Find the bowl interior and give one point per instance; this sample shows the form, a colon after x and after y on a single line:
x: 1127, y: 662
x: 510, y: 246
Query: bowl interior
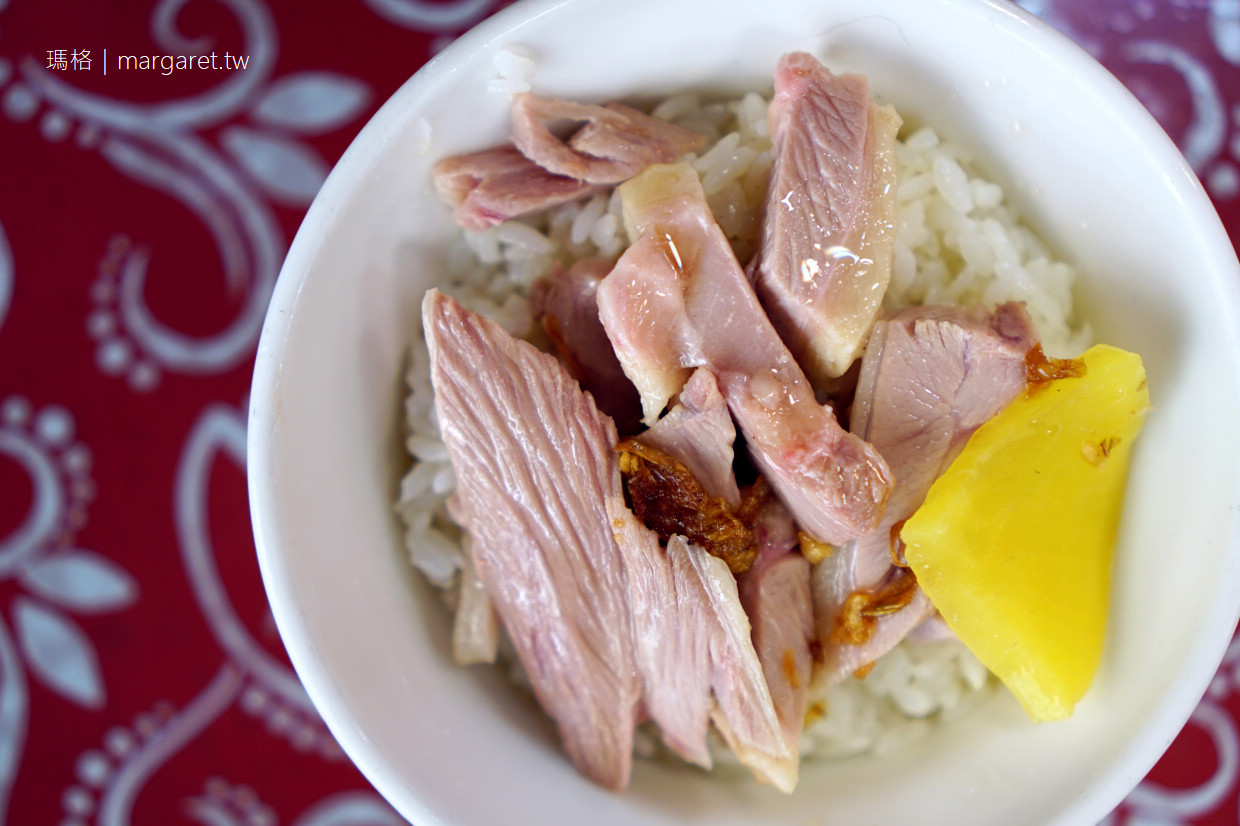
x: 1093, y: 174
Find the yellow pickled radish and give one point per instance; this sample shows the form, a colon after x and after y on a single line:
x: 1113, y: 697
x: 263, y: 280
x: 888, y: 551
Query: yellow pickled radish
x: 1014, y: 542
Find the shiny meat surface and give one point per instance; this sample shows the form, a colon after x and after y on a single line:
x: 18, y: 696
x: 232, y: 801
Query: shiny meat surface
x: 677, y: 299
x: 829, y: 223
x: 489, y: 187
x: 542, y: 541
x: 614, y: 142
x: 929, y: 378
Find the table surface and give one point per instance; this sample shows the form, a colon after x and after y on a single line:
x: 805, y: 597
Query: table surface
x: 143, y: 217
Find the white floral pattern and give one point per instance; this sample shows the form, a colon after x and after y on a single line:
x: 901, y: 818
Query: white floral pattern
x: 232, y: 155
x: 429, y: 16
x: 1132, y: 40
x: 164, y: 146
x: 56, y: 579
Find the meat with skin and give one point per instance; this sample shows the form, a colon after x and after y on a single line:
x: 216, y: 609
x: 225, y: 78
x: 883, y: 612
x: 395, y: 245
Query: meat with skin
x: 929, y: 378
x: 677, y: 299
x: 775, y: 593
x: 699, y: 432
x: 489, y: 187
x: 828, y: 234
x: 614, y: 143
x: 565, y: 304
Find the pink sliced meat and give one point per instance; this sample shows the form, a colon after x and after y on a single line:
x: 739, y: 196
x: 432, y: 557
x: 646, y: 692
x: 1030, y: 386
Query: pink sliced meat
x: 677, y: 299
x: 542, y: 542
x: 698, y: 432
x: 566, y: 305
x: 929, y: 378
x: 643, y: 311
x: 743, y: 711
x: 829, y: 225
x: 671, y: 632
x: 775, y: 593
x: 489, y: 187
x: 612, y: 144
x: 607, y: 624
x: 694, y: 650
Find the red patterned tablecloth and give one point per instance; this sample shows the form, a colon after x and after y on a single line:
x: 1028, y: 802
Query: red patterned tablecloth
x: 144, y: 213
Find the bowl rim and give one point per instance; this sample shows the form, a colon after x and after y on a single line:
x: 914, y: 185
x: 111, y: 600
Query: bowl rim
x: 1171, y: 713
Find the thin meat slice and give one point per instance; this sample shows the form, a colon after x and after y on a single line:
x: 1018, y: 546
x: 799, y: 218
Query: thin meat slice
x: 542, y: 541
x: 699, y: 433
x: 671, y: 634
x: 566, y: 305
x: 929, y: 378
x: 743, y: 711
x: 891, y: 625
x: 956, y: 367
x: 489, y: 187
x: 677, y: 299
x: 614, y: 141
x: 608, y: 625
x: 775, y: 593
x: 693, y: 649
x: 829, y: 224
x: 781, y: 610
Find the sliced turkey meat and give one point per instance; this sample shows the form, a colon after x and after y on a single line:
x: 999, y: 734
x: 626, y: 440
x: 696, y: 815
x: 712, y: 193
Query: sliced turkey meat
x: 677, y: 299
x: 776, y: 595
x: 929, y: 378
x: 742, y: 710
x: 541, y: 536
x: 608, y: 625
x: 828, y: 230
x: 489, y: 187
x: 566, y: 305
x: 613, y: 143
x: 698, y: 431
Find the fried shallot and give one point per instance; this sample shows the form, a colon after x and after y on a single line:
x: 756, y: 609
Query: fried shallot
x: 669, y: 500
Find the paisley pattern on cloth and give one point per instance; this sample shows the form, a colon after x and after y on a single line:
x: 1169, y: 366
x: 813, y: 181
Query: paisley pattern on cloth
x: 143, y: 219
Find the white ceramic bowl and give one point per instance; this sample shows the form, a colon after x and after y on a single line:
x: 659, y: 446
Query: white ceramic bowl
x: 1093, y: 173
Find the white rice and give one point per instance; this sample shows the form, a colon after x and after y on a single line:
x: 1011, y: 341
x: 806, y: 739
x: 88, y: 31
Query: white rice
x: 957, y: 242
x: 514, y: 67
